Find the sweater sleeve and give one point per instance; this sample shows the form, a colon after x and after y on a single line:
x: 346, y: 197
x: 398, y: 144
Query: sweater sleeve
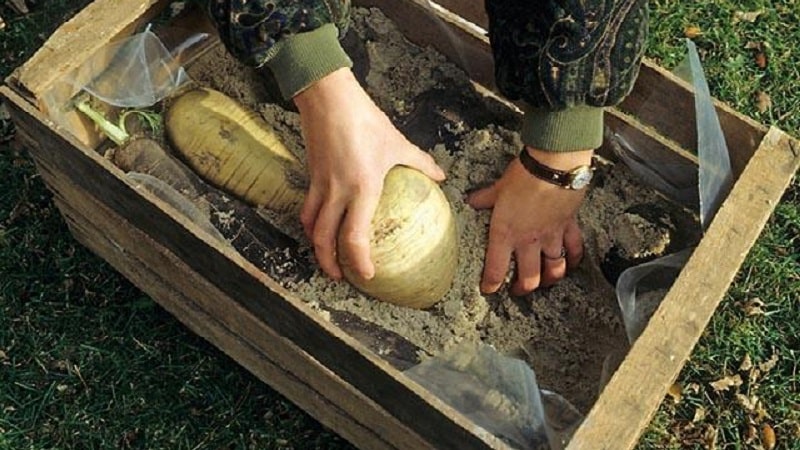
x: 298, y: 40
x: 567, y: 60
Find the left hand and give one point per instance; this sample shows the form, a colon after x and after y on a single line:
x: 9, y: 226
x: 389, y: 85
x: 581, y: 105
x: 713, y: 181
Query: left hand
x: 532, y: 220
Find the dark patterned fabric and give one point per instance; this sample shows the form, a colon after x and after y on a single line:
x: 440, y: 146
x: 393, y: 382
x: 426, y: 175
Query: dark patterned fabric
x: 553, y: 54
x: 250, y: 28
x: 557, y: 54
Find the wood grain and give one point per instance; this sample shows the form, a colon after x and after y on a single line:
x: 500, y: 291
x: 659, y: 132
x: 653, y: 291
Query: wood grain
x: 638, y: 386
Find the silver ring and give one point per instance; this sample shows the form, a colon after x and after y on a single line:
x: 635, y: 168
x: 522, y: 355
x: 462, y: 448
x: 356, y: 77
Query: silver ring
x: 561, y: 255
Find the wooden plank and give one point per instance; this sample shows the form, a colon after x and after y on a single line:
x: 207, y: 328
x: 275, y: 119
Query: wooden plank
x: 219, y: 319
x: 658, y: 95
x: 471, y: 10
x: 638, y: 386
x: 254, y: 291
x: 80, y: 38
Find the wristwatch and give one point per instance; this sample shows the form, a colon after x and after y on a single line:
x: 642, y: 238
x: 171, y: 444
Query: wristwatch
x: 574, y: 179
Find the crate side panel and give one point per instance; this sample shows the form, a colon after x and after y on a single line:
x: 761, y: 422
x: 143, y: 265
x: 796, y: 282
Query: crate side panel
x: 633, y: 394
x: 219, y: 319
x: 253, y: 290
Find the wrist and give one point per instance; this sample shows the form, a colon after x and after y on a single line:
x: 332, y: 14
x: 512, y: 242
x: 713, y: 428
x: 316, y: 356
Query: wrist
x: 327, y: 90
x: 572, y: 171
x: 561, y: 160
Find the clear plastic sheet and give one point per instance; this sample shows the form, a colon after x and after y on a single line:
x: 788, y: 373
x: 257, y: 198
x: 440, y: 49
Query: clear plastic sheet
x: 141, y: 71
x: 715, y: 177
x: 640, y: 289
x: 500, y: 394
x: 136, y: 72
x: 182, y: 204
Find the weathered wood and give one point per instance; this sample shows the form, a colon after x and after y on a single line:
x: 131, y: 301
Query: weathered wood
x: 633, y: 394
x: 218, y: 318
x: 253, y: 290
x: 666, y: 103
x: 52, y: 76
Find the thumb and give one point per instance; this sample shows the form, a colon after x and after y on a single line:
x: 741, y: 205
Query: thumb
x: 424, y: 162
x: 483, y: 198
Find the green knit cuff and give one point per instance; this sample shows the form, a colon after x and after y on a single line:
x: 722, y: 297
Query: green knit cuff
x: 572, y: 129
x: 302, y: 59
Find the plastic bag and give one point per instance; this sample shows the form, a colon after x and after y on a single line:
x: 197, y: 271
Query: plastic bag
x: 500, y: 394
x: 637, y: 288
x: 141, y: 72
x: 676, y: 180
x: 715, y: 177
x: 136, y: 72
x: 641, y: 288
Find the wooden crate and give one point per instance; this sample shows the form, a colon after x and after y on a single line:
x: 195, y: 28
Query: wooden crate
x: 275, y: 335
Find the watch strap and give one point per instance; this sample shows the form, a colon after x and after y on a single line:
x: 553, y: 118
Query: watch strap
x: 562, y: 178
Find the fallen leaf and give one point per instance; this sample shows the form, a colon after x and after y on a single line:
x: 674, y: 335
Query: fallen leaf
x: 748, y: 403
x: 768, y: 365
x: 699, y: 414
x: 768, y: 437
x: 2, y: 24
x: 3, y: 355
x: 761, y: 60
x: 749, y: 16
x: 750, y: 434
x: 747, y: 363
x: 693, y: 388
x: 763, y: 104
x: 754, y: 306
x: 692, y: 31
x: 754, y: 45
x: 676, y: 392
x: 723, y: 384
x: 710, y: 437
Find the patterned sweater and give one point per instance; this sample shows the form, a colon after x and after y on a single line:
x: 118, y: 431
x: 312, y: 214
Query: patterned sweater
x: 566, y: 59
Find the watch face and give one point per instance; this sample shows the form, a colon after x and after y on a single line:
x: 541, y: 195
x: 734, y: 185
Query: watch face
x: 581, y: 177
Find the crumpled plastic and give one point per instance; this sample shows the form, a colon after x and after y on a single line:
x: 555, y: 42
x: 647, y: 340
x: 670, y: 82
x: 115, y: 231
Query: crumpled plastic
x: 500, y: 394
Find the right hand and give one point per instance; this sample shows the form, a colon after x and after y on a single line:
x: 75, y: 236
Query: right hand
x: 350, y: 146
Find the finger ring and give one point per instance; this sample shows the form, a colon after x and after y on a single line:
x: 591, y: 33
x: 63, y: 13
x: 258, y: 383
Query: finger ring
x: 560, y: 255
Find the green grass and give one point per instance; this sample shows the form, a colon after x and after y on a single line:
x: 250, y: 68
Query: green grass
x: 88, y: 361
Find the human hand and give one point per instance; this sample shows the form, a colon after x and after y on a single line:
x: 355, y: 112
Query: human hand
x: 350, y: 146
x: 532, y: 220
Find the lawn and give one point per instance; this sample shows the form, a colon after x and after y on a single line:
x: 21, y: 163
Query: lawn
x: 88, y: 361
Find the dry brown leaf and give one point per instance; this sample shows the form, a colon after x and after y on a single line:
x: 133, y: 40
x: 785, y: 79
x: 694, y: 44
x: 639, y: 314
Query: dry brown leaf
x: 754, y: 45
x: 763, y: 104
x: 693, y: 388
x: 676, y: 392
x: 723, y: 384
x: 761, y: 60
x: 699, y: 414
x: 750, y: 434
x: 747, y: 363
x: 768, y: 439
x: 2, y: 24
x: 749, y: 16
x: 692, y: 31
x: 748, y: 403
x: 754, y: 306
x: 3, y: 355
x: 768, y: 365
x: 710, y: 437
